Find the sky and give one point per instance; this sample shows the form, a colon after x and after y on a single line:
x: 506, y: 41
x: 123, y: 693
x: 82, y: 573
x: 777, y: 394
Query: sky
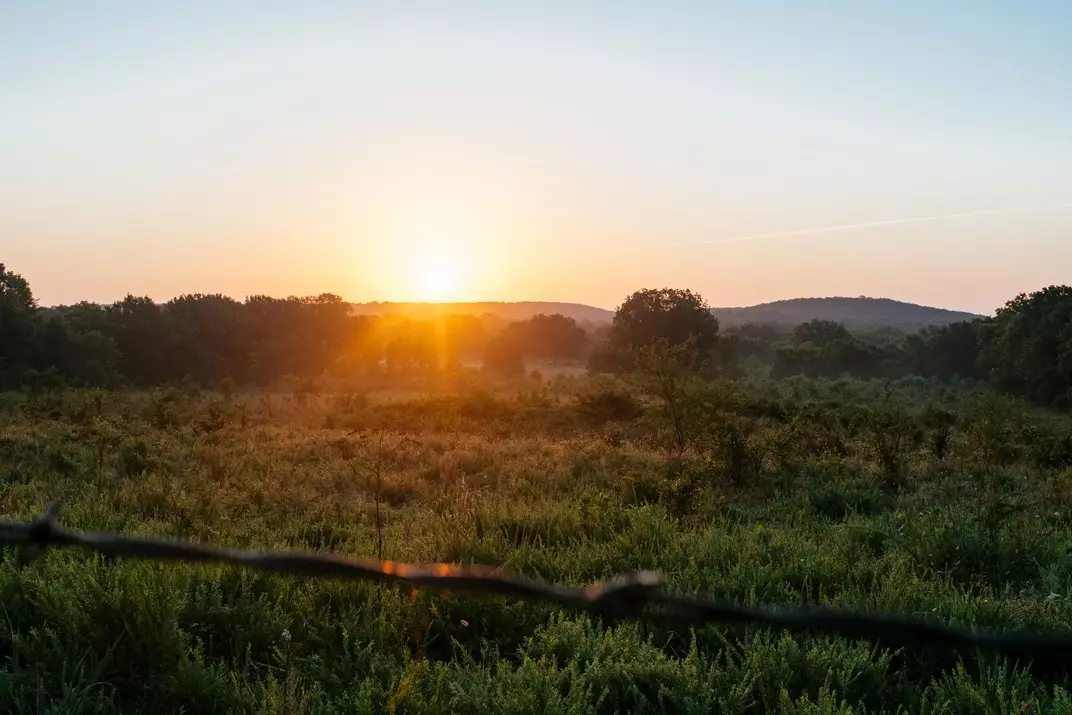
x: 574, y: 151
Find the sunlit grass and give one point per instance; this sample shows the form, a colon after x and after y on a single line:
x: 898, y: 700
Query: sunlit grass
x: 542, y: 479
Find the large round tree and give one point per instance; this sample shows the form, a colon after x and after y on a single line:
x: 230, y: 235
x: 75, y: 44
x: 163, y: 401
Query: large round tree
x: 664, y: 315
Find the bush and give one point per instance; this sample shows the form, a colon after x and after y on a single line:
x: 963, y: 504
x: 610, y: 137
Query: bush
x: 938, y: 424
x: 737, y: 445
x: 606, y: 359
x: 892, y: 433
x: 609, y: 406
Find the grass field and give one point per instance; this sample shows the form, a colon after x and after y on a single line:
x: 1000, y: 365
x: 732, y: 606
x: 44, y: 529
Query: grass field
x: 912, y: 498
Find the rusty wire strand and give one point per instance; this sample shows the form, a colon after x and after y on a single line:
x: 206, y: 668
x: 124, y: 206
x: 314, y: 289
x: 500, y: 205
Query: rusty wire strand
x: 638, y: 595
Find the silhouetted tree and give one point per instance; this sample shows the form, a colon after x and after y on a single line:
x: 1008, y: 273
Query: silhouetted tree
x: 945, y: 351
x: 140, y: 331
x: 17, y: 326
x: 555, y: 337
x: 414, y: 349
x: 841, y: 356
x: 296, y: 336
x: 82, y: 357
x: 503, y: 357
x: 1028, y: 345
x: 364, y: 352
x: 208, y: 337
x: 665, y: 315
x: 459, y: 337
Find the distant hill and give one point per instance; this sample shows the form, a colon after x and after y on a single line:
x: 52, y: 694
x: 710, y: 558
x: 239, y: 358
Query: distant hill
x: 853, y: 312
x: 522, y: 310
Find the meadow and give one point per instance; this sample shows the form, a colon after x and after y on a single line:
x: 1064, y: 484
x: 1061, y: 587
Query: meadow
x: 907, y: 496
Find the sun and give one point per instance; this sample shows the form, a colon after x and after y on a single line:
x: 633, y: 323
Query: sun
x: 434, y: 251
x: 436, y: 277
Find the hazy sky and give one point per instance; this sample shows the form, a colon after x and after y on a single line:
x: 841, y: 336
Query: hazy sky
x: 551, y: 150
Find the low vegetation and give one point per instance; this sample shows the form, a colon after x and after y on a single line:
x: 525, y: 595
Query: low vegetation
x: 902, y: 497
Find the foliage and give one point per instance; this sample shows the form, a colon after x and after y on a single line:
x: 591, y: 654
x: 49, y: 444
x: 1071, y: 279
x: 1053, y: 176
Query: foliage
x: 410, y: 351
x: 892, y: 433
x: 554, y: 337
x: 606, y: 358
x: 736, y: 443
x: 945, y: 351
x: 17, y: 307
x: 668, y: 316
x: 1028, y: 345
x: 609, y: 405
x: 819, y: 332
x: 837, y: 356
x: 503, y: 356
x: 670, y: 373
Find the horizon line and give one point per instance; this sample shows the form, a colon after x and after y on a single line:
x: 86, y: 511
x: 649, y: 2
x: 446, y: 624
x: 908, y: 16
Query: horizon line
x: 352, y: 303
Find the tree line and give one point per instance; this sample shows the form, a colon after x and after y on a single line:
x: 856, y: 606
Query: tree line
x: 1024, y: 349
x: 212, y: 338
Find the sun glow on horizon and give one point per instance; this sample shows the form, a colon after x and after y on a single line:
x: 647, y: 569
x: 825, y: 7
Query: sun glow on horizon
x: 436, y: 276
x: 436, y: 246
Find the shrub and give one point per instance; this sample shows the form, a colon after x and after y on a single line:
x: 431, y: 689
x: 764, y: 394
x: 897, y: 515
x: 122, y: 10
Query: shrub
x: 938, y: 424
x: 737, y: 445
x: 609, y: 406
x: 891, y: 434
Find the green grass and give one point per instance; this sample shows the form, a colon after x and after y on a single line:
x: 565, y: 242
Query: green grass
x: 565, y: 480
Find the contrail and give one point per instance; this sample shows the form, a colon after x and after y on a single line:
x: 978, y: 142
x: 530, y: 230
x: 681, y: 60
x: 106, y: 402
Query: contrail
x: 853, y: 226
x: 866, y: 224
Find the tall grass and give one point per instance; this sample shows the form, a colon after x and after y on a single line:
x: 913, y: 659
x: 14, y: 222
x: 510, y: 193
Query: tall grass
x: 791, y: 492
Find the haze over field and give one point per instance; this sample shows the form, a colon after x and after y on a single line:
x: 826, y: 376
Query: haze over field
x: 540, y: 151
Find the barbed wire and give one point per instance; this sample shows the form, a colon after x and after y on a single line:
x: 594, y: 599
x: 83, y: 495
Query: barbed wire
x: 629, y: 596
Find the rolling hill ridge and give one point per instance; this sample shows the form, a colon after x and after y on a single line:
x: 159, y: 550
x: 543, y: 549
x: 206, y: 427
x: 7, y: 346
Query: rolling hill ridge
x: 521, y: 310
x: 856, y: 313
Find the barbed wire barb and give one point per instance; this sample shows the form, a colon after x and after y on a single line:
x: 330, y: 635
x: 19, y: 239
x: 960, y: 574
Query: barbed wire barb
x: 628, y: 596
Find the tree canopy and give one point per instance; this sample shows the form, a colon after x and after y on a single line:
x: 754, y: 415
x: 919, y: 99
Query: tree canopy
x: 1028, y: 345
x: 665, y: 315
x: 820, y: 332
x: 503, y: 357
x: 554, y: 337
x: 17, y: 327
